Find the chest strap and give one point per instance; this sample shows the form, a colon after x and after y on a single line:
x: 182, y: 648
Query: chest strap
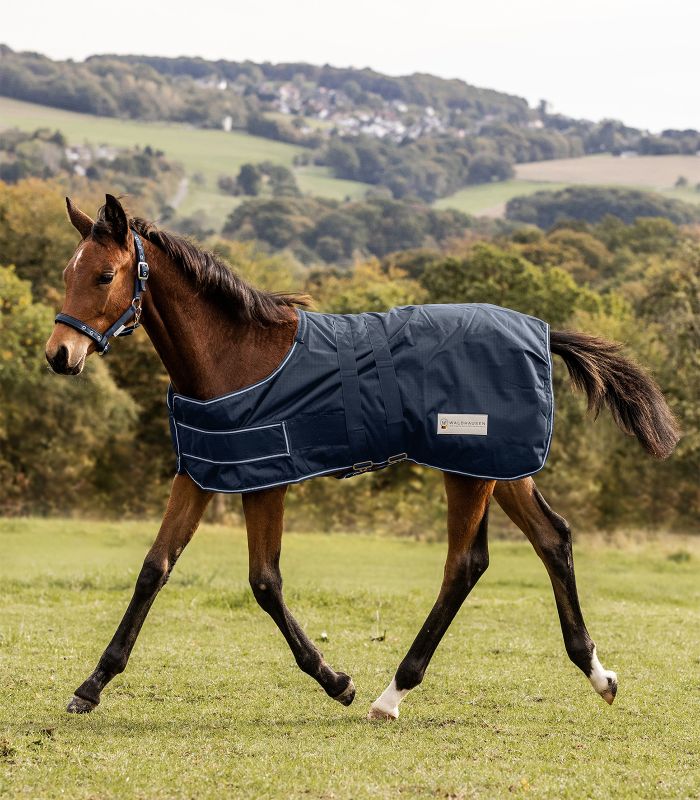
x: 352, y: 399
x: 388, y: 384
x: 350, y: 383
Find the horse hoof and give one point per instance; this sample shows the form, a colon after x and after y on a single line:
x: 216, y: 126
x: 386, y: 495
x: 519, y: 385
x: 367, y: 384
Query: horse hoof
x: 378, y: 713
x: 609, y: 692
x: 348, y: 694
x: 78, y: 705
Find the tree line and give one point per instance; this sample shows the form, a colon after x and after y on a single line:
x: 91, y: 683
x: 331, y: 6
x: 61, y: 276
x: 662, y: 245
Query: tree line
x: 315, y: 229
x: 592, y: 203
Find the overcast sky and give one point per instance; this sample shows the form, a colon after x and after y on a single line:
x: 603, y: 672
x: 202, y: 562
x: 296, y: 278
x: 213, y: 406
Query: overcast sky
x: 635, y: 61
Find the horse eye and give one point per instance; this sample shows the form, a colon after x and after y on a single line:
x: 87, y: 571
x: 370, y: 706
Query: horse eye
x: 106, y: 277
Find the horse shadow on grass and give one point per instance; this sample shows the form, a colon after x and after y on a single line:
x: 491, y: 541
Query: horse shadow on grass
x: 104, y: 726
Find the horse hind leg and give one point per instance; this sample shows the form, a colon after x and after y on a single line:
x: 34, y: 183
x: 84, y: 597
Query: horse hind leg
x: 467, y: 559
x: 550, y: 535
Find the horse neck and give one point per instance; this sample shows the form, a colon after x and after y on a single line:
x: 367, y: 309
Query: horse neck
x: 206, y: 350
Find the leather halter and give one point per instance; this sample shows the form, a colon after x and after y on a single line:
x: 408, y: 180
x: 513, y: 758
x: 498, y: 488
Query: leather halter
x: 120, y: 327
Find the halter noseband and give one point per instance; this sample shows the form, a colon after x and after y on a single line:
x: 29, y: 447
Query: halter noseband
x: 120, y: 328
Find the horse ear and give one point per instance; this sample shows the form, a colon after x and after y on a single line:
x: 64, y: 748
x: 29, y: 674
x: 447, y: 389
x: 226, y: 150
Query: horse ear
x: 116, y: 218
x: 80, y: 221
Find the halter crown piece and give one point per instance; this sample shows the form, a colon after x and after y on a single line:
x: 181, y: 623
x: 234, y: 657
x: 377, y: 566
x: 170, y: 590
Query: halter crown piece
x: 120, y: 327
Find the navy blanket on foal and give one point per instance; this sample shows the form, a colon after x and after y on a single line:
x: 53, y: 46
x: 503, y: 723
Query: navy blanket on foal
x: 462, y: 388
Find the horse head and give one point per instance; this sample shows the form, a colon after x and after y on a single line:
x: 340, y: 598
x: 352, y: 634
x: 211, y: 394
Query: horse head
x: 99, y: 281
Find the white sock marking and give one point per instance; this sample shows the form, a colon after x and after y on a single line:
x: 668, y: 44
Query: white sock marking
x: 388, y: 701
x: 599, y: 676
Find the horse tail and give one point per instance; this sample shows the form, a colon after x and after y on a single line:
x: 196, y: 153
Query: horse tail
x: 633, y: 397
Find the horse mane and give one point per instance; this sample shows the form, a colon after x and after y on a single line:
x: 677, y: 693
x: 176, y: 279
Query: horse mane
x: 212, y: 276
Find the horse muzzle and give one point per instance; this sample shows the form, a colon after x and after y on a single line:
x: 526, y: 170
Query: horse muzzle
x: 60, y: 362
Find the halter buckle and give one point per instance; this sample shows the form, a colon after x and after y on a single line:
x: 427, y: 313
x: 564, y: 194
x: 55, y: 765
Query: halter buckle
x: 137, y: 304
x: 142, y: 271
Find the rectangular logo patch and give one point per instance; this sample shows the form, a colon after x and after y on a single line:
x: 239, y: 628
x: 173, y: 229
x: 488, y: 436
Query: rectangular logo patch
x: 463, y: 424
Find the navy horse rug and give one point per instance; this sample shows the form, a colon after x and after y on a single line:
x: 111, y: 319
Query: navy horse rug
x: 461, y: 388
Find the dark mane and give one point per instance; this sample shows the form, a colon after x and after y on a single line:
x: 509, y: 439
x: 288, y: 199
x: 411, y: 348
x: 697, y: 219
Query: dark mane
x: 213, y: 276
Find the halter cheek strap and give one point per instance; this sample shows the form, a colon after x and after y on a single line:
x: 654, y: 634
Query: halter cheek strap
x: 120, y: 327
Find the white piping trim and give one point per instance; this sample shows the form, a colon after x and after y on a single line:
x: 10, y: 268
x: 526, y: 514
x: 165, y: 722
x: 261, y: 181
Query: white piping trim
x: 177, y: 442
x: 341, y: 469
x: 242, y: 461
x: 268, y: 485
x: 473, y: 475
x: 239, y: 391
x: 233, y: 430
x: 550, y: 420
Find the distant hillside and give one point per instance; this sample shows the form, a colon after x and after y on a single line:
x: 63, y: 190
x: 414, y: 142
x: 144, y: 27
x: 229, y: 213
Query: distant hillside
x: 79, y: 168
x: 418, y: 136
x: 351, y: 101
x: 345, y: 133
x: 210, y: 92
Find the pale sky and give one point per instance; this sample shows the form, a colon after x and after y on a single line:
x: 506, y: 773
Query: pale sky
x: 637, y: 61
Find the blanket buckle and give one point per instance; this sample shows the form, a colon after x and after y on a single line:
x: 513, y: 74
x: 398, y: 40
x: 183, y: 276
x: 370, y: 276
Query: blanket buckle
x: 362, y: 466
x: 398, y: 457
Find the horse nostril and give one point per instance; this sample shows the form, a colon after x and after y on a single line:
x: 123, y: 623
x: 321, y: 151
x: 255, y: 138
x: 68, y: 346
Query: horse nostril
x: 59, y: 362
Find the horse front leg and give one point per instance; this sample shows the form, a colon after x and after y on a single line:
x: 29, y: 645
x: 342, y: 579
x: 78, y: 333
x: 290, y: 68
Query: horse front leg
x: 185, y: 508
x: 550, y: 535
x: 264, y: 513
x: 467, y: 560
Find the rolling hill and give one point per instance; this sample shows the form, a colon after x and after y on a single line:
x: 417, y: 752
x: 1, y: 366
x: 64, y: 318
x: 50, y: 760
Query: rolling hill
x: 205, y: 154
x: 653, y: 173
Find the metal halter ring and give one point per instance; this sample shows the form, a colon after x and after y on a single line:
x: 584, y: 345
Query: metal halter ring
x: 137, y: 304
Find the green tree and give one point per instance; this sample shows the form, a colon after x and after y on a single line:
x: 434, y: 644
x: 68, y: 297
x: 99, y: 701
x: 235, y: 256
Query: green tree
x: 489, y: 274
x: 485, y: 168
x: 60, y: 439
x: 342, y: 159
x: 249, y: 180
x: 35, y: 234
x: 366, y: 287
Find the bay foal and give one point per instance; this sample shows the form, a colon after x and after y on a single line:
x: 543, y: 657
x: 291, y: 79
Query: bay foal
x: 215, y: 334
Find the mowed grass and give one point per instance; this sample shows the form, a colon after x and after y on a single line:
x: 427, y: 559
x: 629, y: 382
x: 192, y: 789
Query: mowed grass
x: 212, y: 704
x: 209, y: 153
x: 651, y: 173
x: 489, y: 199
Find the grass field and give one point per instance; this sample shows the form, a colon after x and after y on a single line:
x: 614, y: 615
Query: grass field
x: 489, y: 199
x: 652, y: 172
x: 212, y: 704
x: 209, y: 152
x: 657, y: 173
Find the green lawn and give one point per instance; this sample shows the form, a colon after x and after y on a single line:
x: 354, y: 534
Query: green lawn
x: 212, y: 704
x: 490, y: 198
x: 318, y: 181
x: 210, y: 153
